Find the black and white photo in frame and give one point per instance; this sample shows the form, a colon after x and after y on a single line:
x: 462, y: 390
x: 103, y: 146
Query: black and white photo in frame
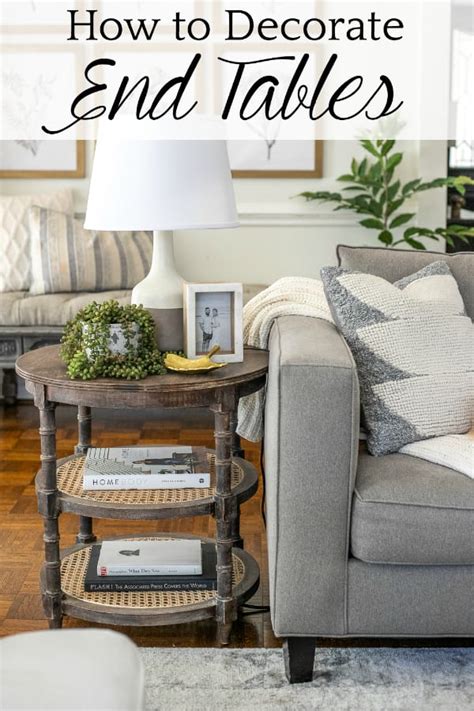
x: 213, y: 317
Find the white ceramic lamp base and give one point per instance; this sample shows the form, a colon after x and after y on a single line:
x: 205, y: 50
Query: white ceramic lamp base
x: 161, y: 293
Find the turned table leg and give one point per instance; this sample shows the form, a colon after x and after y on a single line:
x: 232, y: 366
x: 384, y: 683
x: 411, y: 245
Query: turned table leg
x: 84, y: 420
x: 226, y: 515
x: 48, y: 508
x: 237, y: 450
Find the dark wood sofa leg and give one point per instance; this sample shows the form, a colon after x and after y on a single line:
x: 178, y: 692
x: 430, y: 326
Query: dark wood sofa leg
x: 9, y: 386
x: 298, y: 653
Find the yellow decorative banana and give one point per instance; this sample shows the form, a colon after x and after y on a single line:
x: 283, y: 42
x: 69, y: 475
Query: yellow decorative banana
x: 180, y: 364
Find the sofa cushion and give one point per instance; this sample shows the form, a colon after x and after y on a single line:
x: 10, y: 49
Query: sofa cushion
x: 20, y: 308
x: 395, y: 264
x: 411, y: 512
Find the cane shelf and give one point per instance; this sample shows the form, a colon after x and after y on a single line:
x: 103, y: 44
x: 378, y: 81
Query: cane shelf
x: 130, y: 607
x: 147, y: 503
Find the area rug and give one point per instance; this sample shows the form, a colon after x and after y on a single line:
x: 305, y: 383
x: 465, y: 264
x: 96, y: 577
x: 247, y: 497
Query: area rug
x: 182, y: 679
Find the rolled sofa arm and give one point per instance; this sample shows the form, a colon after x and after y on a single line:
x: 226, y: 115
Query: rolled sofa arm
x: 311, y: 441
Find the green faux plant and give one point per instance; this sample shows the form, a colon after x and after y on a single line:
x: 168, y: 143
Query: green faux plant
x: 85, y: 343
x: 374, y: 190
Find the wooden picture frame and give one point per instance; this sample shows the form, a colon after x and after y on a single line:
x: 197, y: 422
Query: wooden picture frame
x: 221, y: 306
x: 78, y: 171
x: 316, y: 172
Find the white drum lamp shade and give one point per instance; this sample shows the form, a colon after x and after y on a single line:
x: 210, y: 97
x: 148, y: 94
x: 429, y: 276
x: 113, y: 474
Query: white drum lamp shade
x: 161, y: 186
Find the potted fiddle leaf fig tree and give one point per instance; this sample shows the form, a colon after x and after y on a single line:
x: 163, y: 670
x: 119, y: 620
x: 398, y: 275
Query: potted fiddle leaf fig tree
x: 373, y: 191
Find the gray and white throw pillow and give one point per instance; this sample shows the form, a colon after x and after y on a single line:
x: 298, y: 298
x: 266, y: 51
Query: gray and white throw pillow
x: 67, y: 258
x: 414, y: 349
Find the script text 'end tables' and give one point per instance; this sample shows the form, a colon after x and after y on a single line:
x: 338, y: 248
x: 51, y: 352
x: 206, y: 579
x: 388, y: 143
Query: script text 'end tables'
x: 59, y: 489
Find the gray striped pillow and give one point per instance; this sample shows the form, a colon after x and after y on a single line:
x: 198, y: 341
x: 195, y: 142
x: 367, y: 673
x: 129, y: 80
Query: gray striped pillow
x: 67, y: 258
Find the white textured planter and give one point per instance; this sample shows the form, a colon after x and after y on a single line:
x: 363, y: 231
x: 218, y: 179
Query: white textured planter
x: 117, y: 344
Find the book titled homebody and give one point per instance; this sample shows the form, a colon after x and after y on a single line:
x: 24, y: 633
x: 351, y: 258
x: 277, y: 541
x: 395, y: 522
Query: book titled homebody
x: 178, y: 556
x: 115, y: 468
x: 153, y: 583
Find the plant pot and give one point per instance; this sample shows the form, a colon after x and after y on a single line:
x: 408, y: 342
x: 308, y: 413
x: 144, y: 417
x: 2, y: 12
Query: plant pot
x: 116, y: 343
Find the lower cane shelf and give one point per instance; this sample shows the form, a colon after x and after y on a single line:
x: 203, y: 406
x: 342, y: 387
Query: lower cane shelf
x: 147, y: 608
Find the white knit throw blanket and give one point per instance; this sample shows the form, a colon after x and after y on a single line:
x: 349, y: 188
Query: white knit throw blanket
x: 290, y: 296
x: 298, y: 296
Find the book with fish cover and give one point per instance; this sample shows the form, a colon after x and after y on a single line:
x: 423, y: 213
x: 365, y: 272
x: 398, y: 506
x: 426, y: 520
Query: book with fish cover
x: 149, y: 583
x: 178, y: 556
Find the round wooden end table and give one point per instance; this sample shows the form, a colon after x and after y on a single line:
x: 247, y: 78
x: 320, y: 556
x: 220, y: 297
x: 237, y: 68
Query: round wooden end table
x: 59, y: 488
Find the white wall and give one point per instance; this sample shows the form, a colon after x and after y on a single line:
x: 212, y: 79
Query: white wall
x: 280, y: 235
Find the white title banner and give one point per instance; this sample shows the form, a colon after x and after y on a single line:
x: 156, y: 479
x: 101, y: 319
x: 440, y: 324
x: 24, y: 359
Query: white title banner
x: 240, y: 69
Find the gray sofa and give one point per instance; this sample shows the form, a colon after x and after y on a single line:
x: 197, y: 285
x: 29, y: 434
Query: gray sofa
x: 358, y: 546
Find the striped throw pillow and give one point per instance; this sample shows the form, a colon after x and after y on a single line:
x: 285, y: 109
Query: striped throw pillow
x: 414, y: 349
x: 67, y: 258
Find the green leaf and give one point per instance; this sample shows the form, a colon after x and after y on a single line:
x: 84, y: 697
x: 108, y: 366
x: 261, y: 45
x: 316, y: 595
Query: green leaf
x: 354, y: 167
x: 437, y: 183
x: 322, y: 195
x: 376, y: 208
x: 401, y: 220
x: 460, y: 229
x: 346, y: 178
x: 386, y: 238
x: 393, y: 190
x: 354, y: 188
x: 394, y: 160
x: 372, y: 224
x: 393, y: 206
x: 369, y: 146
x: 412, y: 185
x: 411, y: 231
x: 422, y: 231
x: 362, y: 167
x: 415, y: 243
x: 375, y: 172
x: 387, y: 147
x: 463, y: 180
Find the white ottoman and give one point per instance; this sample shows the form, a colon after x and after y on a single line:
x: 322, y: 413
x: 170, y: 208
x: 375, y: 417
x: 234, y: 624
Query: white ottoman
x: 86, y: 670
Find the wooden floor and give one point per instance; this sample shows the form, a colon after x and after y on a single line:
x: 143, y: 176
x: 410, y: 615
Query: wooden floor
x: 21, y: 545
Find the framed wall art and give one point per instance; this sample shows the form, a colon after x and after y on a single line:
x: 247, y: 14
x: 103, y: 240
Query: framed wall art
x: 42, y: 159
x: 266, y: 153
x: 271, y: 158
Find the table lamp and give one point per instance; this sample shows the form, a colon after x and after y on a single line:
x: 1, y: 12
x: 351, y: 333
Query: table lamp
x: 161, y: 186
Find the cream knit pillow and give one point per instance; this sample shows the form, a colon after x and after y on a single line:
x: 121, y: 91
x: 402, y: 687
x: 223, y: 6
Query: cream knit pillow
x: 15, y: 260
x: 414, y: 349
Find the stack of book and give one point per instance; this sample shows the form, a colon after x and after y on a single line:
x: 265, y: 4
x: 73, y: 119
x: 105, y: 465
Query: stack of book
x: 152, y: 566
x: 118, y: 468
